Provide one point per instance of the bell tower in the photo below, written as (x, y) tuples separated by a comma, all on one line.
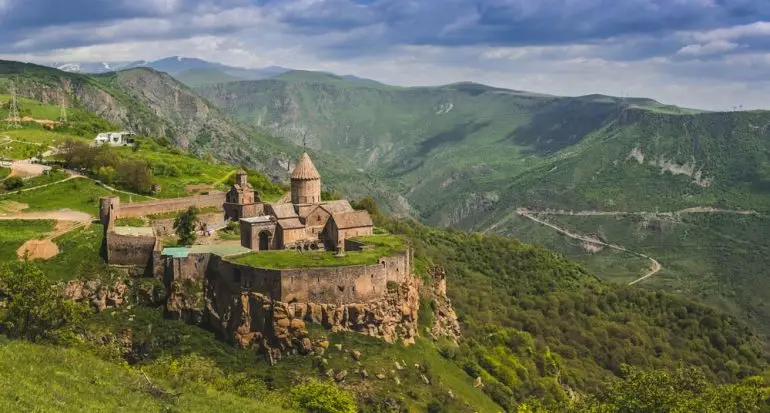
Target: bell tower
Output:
[(305, 182)]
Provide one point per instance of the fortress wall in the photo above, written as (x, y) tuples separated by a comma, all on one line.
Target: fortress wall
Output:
[(159, 206), (192, 267), (338, 285), (162, 227), (398, 267), (129, 250), (248, 279)]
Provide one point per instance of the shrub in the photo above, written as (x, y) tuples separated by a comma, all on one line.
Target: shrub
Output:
[(184, 225), (322, 397), (13, 182), (34, 307)]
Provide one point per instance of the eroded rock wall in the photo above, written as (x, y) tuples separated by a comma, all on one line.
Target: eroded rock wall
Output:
[(252, 319)]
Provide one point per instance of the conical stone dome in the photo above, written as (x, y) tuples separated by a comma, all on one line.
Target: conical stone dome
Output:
[(305, 182), (305, 169)]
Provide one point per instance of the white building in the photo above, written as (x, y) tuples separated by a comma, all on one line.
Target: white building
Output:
[(115, 138)]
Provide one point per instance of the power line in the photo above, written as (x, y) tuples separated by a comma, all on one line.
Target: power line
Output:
[(63, 110), (14, 121)]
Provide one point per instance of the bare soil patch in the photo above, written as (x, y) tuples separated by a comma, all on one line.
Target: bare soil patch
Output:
[(38, 249)]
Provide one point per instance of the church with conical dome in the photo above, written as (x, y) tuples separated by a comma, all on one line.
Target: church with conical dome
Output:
[(303, 221)]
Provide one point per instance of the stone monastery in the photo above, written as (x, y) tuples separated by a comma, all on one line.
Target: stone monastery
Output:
[(233, 289), (305, 223)]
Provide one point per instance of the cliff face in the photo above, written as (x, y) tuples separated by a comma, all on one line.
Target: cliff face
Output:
[(149, 103), (198, 294)]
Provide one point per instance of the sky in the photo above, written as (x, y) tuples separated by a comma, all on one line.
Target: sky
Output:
[(709, 54)]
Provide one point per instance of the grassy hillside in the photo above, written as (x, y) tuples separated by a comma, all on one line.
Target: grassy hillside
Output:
[(149, 103), (459, 152), (203, 77), (51, 379), (468, 155)]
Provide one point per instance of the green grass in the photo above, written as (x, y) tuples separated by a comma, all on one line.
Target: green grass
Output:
[(130, 222), (4, 172), (14, 233), (176, 339), (382, 245), (79, 256), (52, 379), (44, 179), (76, 194)]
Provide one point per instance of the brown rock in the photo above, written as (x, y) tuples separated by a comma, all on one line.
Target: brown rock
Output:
[(355, 354), (283, 322), (297, 324), (340, 376)]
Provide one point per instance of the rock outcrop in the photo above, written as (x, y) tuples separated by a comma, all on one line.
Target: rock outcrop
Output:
[(97, 294), (445, 323), (252, 319)]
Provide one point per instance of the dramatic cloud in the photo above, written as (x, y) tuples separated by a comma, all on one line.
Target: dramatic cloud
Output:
[(704, 53)]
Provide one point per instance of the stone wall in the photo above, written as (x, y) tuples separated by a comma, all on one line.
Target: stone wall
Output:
[(251, 319), (237, 211), (159, 206), (268, 308), (129, 249), (337, 285)]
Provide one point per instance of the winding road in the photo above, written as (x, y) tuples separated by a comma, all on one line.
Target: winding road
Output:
[(656, 267)]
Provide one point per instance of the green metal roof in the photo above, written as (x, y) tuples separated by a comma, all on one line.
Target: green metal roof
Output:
[(176, 252), (223, 250)]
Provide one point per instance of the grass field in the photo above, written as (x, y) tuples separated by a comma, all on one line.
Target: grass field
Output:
[(76, 194), (4, 172), (382, 245), (15, 233), (76, 381), (79, 256)]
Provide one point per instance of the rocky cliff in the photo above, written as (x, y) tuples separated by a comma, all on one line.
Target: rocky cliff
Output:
[(150, 103)]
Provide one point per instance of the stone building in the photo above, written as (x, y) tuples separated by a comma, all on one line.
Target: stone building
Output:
[(302, 224)]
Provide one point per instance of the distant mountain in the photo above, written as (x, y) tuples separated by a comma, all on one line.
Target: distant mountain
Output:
[(470, 156), (191, 71), (203, 72)]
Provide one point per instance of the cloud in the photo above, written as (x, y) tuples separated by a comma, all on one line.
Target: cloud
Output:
[(656, 48), (712, 47)]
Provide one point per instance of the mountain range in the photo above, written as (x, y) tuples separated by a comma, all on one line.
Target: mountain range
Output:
[(188, 70), (472, 156), (672, 200)]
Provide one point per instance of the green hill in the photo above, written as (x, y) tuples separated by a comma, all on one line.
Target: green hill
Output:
[(536, 325), (468, 156), (204, 76), (151, 103)]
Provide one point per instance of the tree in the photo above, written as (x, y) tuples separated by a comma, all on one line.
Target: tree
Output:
[(135, 175), (184, 225), (370, 205), (322, 397), (13, 182), (34, 307)]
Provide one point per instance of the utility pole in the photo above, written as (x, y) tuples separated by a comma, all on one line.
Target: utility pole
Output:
[(63, 102), (63, 110), (14, 121)]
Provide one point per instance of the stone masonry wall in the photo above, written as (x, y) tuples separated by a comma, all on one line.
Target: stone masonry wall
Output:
[(159, 206), (129, 249), (269, 308), (250, 319), (338, 285)]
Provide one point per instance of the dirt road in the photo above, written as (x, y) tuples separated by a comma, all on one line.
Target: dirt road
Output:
[(656, 267)]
